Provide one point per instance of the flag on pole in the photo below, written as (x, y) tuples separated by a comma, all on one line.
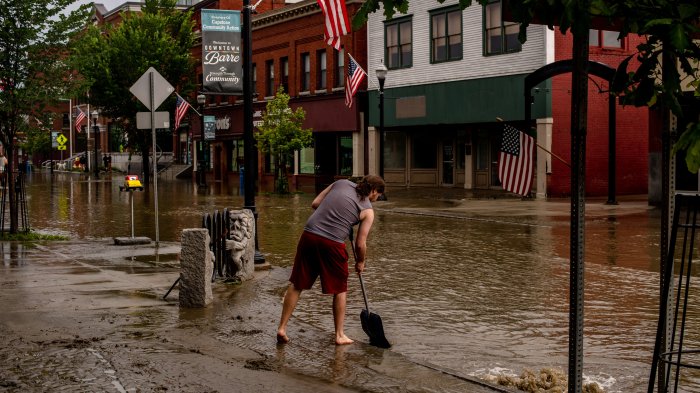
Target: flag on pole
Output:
[(181, 107), (355, 77), (337, 24), (515, 161), (79, 117)]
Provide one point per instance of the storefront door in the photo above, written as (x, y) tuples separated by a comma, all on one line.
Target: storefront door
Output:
[(448, 163), (486, 161)]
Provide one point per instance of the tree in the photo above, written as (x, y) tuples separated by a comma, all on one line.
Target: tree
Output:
[(33, 41), (110, 59), (281, 134)]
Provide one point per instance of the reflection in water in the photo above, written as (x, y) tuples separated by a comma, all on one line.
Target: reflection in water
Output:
[(473, 296)]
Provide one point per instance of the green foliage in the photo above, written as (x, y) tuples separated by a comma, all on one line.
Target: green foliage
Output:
[(110, 59), (282, 133), (33, 36)]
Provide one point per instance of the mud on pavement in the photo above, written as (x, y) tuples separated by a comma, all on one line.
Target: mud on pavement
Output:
[(90, 316)]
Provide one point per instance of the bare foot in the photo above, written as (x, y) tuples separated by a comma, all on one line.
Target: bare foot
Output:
[(282, 338), (343, 340)]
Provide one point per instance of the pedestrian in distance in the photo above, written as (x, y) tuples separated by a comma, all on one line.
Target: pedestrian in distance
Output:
[(321, 249)]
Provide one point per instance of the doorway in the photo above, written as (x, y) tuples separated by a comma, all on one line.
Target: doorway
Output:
[(486, 160), (448, 163)]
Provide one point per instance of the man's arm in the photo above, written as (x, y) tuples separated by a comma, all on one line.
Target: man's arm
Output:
[(319, 198), (366, 220)]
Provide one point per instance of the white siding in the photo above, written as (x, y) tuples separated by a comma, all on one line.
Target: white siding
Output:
[(474, 65)]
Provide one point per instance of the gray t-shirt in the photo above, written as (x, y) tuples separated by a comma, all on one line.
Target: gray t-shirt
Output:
[(338, 212)]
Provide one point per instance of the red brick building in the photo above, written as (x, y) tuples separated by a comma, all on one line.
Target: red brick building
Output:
[(632, 123), (289, 51)]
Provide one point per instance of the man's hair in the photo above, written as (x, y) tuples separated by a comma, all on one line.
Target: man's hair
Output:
[(369, 183)]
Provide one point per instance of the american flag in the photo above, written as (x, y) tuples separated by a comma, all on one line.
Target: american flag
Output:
[(79, 117), (515, 161), (355, 77), (337, 24), (181, 107)]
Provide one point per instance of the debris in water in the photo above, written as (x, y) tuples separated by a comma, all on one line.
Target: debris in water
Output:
[(547, 380)]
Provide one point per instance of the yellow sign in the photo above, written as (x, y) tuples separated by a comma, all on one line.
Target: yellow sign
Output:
[(61, 147), (61, 139)]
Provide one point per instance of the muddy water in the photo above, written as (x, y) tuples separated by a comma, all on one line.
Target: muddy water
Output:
[(476, 296)]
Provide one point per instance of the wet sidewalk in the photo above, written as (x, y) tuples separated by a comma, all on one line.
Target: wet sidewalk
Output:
[(89, 316)]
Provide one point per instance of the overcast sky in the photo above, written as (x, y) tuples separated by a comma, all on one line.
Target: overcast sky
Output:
[(109, 4)]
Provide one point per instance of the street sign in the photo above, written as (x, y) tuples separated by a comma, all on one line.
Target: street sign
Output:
[(61, 139), (61, 147), (142, 89), (143, 120)]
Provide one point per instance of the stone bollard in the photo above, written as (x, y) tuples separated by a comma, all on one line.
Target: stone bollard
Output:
[(196, 269), (242, 243)]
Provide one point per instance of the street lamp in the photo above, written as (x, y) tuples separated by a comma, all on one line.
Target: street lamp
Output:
[(201, 180), (95, 130), (381, 72)]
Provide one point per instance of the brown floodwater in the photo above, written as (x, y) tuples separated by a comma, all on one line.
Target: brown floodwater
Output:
[(478, 297)]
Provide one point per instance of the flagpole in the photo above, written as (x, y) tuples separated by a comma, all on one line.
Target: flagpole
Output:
[(363, 70), (191, 107), (545, 150)]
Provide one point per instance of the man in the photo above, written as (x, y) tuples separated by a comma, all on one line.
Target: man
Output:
[(321, 248)]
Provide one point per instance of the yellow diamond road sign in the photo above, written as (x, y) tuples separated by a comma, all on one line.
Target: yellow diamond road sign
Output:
[(61, 139)]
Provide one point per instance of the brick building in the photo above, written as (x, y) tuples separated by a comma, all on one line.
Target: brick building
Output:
[(289, 51)]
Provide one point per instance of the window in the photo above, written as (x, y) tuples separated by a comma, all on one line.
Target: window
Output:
[(399, 48), (284, 70), (321, 70), (270, 77), (499, 36), (254, 75), (424, 152), (305, 72), (446, 35), (345, 155), (339, 68), (394, 150), (605, 39), (306, 160)]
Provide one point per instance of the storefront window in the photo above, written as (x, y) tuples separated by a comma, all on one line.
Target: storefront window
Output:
[(424, 152), (237, 159), (394, 150), (345, 156), (306, 161)]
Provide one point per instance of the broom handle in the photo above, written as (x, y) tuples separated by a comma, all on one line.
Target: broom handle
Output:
[(362, 284)]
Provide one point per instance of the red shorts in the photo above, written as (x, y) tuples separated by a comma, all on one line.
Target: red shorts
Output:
[(316, 256)]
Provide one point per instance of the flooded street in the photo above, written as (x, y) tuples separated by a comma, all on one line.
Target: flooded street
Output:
[(461, 286)]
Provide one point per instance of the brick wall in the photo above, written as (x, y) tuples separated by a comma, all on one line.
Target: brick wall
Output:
[(632, 129)]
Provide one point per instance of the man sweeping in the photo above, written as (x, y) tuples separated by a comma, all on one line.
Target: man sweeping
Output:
[(321, 248)]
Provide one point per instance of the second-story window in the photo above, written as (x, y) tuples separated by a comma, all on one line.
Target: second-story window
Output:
[(605, 39), (269, 78), (446, 34), (399, 43), (254, 76), (339, 67), (305, 72), (284, 71), (321, 70), (499, 36)]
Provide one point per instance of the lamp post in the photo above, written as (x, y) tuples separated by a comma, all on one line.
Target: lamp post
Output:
[(250, 154), (95, 130), (381, 72), (201, 179)]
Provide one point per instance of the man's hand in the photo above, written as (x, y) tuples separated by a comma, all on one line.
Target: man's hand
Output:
[(359, 266)]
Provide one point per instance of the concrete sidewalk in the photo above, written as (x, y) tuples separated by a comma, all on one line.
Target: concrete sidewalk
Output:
[(89, 316)]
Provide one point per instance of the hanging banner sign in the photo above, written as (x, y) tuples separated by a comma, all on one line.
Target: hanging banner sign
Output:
[(221, 52), (209, 128)]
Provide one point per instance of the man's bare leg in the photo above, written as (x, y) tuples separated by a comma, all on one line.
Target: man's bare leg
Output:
[(339, 300), (291, 297)]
